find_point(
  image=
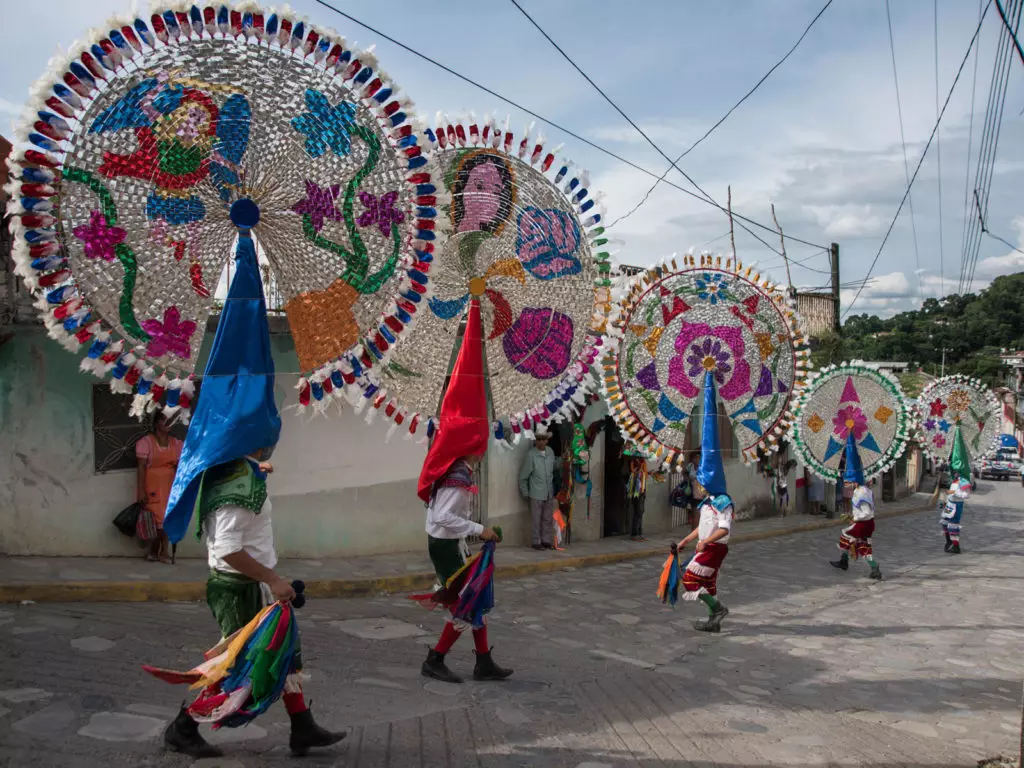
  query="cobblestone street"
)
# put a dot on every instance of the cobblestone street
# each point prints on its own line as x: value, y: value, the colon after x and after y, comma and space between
x: 814, y: 666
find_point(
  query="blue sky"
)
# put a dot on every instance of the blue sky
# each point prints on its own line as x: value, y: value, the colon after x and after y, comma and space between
x: 820, y: 139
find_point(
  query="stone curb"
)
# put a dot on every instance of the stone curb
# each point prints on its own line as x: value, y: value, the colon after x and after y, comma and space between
x: 192, y: 591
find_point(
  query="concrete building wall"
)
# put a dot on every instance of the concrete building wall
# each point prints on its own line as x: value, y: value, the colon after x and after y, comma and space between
x: 339, y: 489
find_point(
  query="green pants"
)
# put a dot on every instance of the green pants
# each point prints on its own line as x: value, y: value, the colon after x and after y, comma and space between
x: 446, y: 556
x: 235, y: 600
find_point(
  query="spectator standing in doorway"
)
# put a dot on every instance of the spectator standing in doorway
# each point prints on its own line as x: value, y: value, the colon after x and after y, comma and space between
x: 158, y: 454
x: 538, y: 483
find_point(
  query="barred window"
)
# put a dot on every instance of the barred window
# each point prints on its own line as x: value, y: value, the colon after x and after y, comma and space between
x: 115, y: 432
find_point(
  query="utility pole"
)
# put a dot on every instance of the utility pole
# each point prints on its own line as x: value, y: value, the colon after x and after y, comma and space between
x: 943, y: 371
x: 834, y: 254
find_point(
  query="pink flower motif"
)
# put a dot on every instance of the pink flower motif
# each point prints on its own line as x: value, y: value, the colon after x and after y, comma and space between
x: 172, y: 336
x: 319, y: 204
x: 99, y: 237
x: 939, y: 440
x: 850, y: 419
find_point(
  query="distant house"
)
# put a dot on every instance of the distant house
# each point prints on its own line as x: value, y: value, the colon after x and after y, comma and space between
x: 890, y: 367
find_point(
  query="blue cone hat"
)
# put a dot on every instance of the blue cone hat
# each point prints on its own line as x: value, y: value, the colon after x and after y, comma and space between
x: 854, y: 472
x: 711, y: 473
x: 236, y: 414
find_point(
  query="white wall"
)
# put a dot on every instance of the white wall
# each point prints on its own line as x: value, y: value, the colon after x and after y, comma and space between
x: 338, y: 490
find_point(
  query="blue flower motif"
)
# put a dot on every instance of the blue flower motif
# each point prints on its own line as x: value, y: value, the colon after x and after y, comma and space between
x: 711, y: 288
x: 324, y: 126
x: 944, y: 425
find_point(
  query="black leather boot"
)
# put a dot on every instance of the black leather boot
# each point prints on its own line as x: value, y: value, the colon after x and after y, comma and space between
x: 307, y: 735
x: 486, y: 669
x: 843, y: 563
x: 949, y: 543
x: 714, y: 622
x: 876, y: 573
x: 955, y: 549
x: 182, y: 736
x: 435, y: 667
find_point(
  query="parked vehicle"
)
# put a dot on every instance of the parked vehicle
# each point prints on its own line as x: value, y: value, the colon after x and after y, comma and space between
x: 1001, y: 465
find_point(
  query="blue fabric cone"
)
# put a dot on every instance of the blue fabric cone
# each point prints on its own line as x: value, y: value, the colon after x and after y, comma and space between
x: 854, y: 468
x: 236, y: 414
x: 711, y: 473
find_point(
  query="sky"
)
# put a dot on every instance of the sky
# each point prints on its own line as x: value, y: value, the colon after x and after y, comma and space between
x: 820, y: 139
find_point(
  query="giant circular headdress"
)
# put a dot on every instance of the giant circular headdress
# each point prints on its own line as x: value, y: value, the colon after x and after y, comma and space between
x: 677, y: 324
x: 851, y: 399
x: 522, y: 233
x: 144, y: 140
x: 953, y: 400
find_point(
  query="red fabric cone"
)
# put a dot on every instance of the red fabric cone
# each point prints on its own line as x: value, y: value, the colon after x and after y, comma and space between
x: 463, y: 426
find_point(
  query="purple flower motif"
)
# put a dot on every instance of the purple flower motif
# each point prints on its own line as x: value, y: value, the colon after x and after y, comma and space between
x: 709, y: 356
x: 929, y: 424
x: 99, y: 237
x: 380, y: 211
x: 319, y: 204
x: 170, y: 336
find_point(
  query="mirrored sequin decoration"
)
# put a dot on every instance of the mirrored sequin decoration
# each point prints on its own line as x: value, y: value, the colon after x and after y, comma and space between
x: 851, y: 399
x: 952, y: 400
x: 142, y: 142
x: 674, y: 325
x: 523, y: 233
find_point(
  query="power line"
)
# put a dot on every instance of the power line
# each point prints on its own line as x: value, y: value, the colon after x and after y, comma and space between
x: 903, y: 141
x: 636, y: 127
x: 967, y: 174
x: 1006, y: 22
x: 924, y: 154
x: 1002, y: 240
x: 555, y: 125
x: 724, y: 117
x: 987, y: 151
x: 938, y: 154
x: 986, y: 155
x: 989, y: 168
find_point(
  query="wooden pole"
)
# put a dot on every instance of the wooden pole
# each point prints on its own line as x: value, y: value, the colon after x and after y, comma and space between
x: 782, y: 240
x: 732, y: 229
x: 834, y: 254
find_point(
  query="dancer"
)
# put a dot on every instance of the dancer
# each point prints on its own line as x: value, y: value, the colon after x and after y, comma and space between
x: 855, y: 540
x: 700, y: 579
x: 446, y: 485
x: 958, y: 492
x: 223, y: 472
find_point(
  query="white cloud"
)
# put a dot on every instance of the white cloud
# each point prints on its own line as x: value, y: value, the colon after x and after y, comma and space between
x: 840, y: 221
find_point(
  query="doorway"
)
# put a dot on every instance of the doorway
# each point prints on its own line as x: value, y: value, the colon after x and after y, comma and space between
x: 616, y: 517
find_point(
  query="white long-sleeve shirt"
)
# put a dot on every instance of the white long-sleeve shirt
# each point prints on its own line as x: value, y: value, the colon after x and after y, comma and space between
x: 448, y: 515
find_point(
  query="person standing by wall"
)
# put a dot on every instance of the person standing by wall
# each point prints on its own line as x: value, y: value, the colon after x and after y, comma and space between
x: 537, y: 483
x: 158, y: 454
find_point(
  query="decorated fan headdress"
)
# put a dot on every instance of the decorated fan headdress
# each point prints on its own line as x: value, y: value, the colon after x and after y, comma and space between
x: 855, y: 411
x: 144, y: 139
x: 957, y: 401
x: 676, y: 325
x: 524, y: 237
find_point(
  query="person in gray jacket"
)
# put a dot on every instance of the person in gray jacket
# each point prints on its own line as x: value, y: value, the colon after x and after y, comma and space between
x: 538, y: 483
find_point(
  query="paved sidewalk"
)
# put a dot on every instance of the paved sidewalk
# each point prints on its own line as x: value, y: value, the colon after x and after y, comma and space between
x: 95, y: 579
x: 814, y: 667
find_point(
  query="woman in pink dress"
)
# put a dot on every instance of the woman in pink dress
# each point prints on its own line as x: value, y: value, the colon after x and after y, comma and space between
x: 158, y: 453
